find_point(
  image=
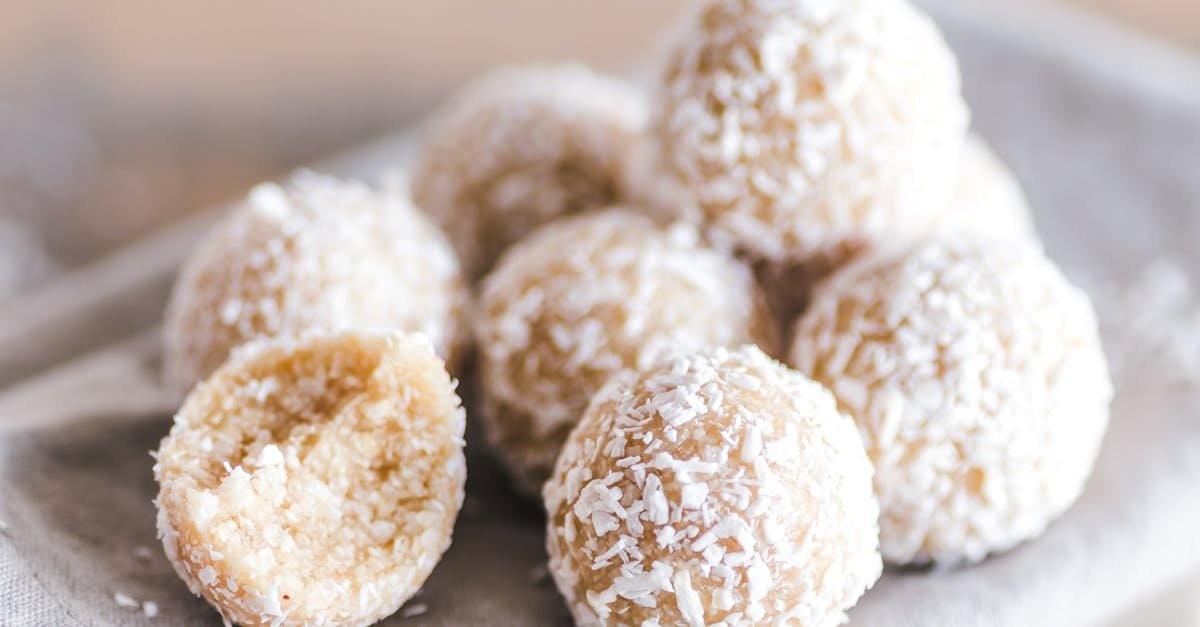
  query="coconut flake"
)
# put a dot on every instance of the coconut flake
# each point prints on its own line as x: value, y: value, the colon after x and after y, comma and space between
x: 691, y: 609
x: 124, y: 600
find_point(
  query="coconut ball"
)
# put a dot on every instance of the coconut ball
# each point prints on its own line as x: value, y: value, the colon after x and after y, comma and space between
x: 313, y: 482
x: 585, y: 297
x: 715, y: 488
x: 975, y: 373
x: 797, y: 127
x: 520, y: 147
x: 316, y: 253
x: 987, y: 201
x: 987, y: 198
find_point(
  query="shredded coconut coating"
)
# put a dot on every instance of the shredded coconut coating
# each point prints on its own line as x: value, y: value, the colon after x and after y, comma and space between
x: 520, y: 147
x: 585, y: 297
x: 794, y: 126
x: 314, y: 482
x: 987, y: 198
x: 717, y: 488
x: 314, y: 254
x: 975, y: 373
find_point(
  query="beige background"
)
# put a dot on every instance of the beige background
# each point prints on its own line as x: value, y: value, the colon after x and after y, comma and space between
x: 117, y: 115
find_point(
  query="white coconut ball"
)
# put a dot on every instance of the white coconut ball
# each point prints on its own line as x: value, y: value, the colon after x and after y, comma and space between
x: 584, y: 298
x: 23, y: 260
x: 314, y: 254
x: 716, y: 488
x: 987, y: 202
x: 521, y: 146
x: 975, y: 373
x: 794, y: 128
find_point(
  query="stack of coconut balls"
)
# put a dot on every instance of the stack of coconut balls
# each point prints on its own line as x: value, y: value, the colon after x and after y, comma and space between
x: 802, y: 185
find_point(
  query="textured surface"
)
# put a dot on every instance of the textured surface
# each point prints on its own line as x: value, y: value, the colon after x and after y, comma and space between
x: 314, y: 481
x: 987, y: 197
x: 586, y: 297
x: 1103, y: 133
x: 317, y: 253
x: 718, y: 487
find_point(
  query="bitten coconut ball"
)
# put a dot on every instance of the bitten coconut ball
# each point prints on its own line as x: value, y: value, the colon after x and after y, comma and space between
x: 796, y: 128
x: 585, y: 297
x: 975, y: 373
x: 520, y: 147
x: 313, y: 482
x: 987, y: 198
x: 716, y: 488
x: 314, y: 254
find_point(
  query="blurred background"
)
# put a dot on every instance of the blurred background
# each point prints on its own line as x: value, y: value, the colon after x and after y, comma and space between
x: 118, y: 116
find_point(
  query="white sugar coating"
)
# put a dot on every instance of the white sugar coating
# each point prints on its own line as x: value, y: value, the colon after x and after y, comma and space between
x: 792, y: 127
x: 314, y: 481
x: 987, y: 198
x: 719, y: 487
x: 976, y: 375
x: 315, y: 254
x: 585, y: 297
x: 521, y: 146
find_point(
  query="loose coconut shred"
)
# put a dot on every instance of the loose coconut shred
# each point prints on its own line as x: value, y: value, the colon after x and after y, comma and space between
x: 715, y: 488
x: 314, y: 483
x: 976, y: 375
x: 520, y: 147
x: 586, y: 297
x: 315, y: 254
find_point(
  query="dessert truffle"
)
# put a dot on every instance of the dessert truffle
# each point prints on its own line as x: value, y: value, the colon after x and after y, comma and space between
x: 313, y: 481
x: 520, y: 147
x: 314, y: 254
x: 585, y: 297
x: 987, y: 198
x: 975, y: 373
x: 794, y: 128
x: 718, y: 487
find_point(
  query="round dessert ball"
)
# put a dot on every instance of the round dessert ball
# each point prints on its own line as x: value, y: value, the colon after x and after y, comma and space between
x: 585, y: 297
x: 789, y: 284
x: 987, y: 201
x: 718, y: 487
x: 987, y: 198
x: 794, y: 128
x: 520, y: 147
x: 314, y: 254
x: 313, y: 481
x: 975, y: 373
